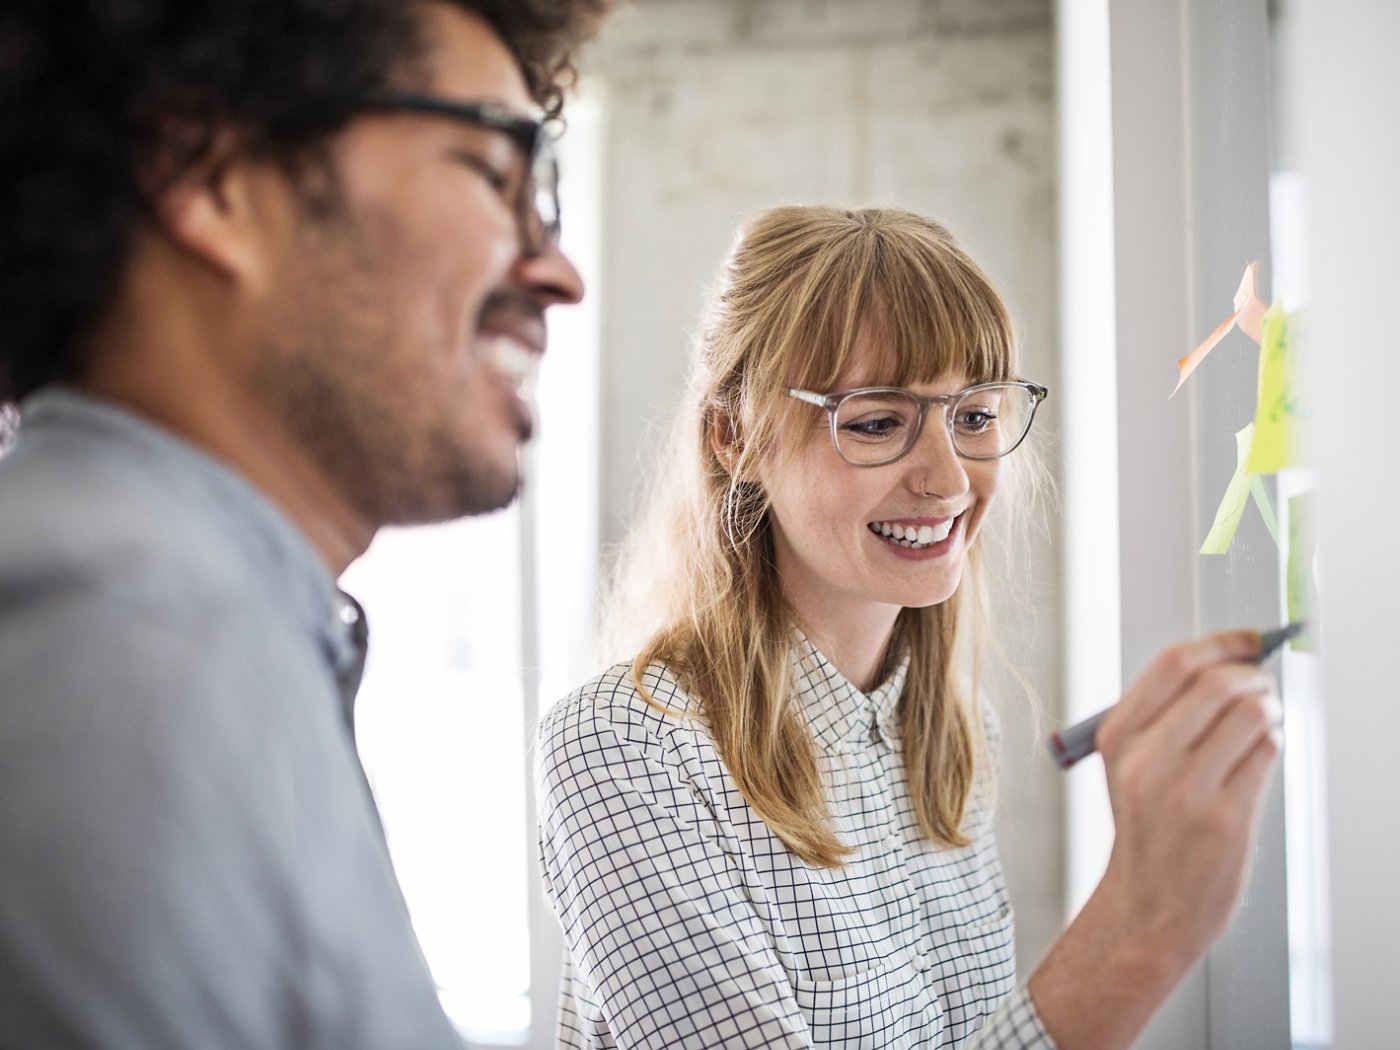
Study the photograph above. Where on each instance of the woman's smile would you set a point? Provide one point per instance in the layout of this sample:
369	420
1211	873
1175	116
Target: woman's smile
916	538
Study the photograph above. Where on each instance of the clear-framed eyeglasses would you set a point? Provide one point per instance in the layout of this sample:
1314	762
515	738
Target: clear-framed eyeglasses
873	426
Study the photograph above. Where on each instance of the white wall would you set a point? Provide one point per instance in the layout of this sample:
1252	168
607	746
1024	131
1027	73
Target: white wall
717	108
1351	152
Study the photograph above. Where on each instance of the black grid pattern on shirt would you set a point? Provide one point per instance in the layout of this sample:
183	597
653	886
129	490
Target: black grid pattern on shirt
689	924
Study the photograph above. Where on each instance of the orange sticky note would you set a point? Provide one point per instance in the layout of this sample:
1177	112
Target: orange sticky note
1249	310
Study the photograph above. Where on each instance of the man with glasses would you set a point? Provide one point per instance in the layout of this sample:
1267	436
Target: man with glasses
270	278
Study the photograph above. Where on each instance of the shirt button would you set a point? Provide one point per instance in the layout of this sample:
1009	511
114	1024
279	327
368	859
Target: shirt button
921	961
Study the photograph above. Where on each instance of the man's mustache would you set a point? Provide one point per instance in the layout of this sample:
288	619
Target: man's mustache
510	302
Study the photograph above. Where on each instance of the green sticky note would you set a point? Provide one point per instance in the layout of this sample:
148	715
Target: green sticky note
1302	551
1227	517
1266	508
1277	415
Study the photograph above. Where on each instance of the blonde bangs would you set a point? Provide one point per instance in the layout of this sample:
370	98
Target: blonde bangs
836	275
933	314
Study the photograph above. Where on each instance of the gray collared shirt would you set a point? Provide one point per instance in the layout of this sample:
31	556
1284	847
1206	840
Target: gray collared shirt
189	855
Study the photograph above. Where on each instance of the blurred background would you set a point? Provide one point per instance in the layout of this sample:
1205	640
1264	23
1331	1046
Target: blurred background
1113	165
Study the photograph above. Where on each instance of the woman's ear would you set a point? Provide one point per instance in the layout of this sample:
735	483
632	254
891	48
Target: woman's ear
724	438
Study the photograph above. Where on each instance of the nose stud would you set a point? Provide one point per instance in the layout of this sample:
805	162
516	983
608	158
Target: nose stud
923	487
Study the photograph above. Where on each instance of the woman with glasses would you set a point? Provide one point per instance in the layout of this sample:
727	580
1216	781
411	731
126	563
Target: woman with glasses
773	826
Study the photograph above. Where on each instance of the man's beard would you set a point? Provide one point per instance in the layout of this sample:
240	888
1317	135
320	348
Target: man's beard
397	453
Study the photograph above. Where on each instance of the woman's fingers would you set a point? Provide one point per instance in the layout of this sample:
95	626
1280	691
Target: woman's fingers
1185	724
1168	676
1198	738
1243	722
1249	777
1187	754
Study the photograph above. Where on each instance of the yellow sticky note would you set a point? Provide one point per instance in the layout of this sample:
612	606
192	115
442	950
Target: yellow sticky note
1302	552
1277	415
1227	518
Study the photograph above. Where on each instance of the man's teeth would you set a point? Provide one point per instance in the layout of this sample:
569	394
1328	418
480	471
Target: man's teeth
912	536
509	358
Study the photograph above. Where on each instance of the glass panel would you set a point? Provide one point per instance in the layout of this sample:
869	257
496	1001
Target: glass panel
440	725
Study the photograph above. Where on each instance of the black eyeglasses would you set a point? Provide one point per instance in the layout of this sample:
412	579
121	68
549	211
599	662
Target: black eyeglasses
537	203
873	426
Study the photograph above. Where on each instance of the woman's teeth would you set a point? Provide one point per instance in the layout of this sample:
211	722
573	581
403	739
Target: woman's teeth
912	536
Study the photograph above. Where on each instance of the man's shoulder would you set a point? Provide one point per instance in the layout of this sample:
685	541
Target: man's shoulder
124	597
81	525
154	686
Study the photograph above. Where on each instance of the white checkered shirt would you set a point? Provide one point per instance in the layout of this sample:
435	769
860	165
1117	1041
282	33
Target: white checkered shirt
689	924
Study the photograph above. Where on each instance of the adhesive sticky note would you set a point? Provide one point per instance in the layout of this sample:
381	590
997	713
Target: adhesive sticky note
1249	308
1188	363
1266	507
1227	517
1300	581
1276	416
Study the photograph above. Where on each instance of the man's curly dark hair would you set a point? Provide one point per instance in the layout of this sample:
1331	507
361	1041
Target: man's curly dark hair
90	90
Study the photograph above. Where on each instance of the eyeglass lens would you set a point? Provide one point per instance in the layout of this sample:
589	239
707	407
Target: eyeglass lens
987	422
540	204
537	203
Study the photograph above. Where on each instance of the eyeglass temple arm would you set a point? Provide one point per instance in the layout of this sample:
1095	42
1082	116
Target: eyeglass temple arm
820	400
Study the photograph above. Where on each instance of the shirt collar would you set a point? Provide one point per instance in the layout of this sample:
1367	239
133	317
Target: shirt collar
838	714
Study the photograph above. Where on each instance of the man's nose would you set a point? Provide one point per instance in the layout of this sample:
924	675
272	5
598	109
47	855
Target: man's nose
549	277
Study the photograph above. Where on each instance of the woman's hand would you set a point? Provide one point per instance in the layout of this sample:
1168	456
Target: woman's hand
1188	752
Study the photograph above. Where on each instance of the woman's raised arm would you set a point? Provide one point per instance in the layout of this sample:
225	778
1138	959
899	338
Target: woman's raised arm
1187	753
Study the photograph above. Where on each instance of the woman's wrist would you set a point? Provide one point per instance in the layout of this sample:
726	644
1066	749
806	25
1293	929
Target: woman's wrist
1105	976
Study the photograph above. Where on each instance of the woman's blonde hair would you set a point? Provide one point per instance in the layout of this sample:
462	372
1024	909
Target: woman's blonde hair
799	286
